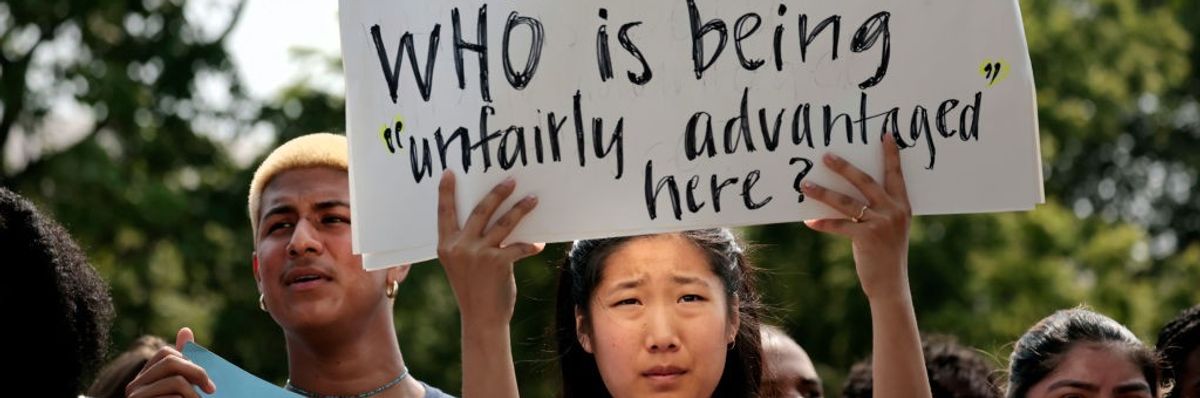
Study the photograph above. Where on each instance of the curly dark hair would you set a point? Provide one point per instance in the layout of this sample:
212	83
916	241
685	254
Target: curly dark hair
1178	339
57	303
581	272
955	371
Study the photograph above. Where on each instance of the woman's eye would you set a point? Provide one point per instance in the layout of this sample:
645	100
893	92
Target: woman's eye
628	301
688	298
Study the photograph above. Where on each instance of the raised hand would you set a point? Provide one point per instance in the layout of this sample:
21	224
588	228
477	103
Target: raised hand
878	229
480	269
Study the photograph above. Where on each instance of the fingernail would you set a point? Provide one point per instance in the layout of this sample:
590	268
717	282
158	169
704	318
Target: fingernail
530	200
809	185
509	181
831	158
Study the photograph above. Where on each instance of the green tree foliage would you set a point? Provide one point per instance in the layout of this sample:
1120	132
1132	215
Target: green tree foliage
152	191
1117	106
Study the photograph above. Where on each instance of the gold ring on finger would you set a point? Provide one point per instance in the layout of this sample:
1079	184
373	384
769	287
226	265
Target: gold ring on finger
861	212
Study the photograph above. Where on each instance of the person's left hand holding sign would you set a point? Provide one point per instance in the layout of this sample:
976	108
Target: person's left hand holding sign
480	269
169	374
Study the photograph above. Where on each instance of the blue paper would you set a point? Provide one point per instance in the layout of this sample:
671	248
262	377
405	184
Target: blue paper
231	380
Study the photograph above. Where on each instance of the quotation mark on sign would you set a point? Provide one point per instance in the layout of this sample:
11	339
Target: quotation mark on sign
391	135
994	71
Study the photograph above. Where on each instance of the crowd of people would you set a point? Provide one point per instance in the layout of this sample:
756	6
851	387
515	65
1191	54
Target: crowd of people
674	314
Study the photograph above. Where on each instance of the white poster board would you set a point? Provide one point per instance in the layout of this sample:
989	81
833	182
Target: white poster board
632	116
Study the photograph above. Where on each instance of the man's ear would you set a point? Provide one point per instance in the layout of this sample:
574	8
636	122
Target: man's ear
581	333
254	268
399	273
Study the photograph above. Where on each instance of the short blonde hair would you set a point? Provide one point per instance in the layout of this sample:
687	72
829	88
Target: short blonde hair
312	150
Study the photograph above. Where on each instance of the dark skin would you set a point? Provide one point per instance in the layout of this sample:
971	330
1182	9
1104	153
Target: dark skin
336	318
789	371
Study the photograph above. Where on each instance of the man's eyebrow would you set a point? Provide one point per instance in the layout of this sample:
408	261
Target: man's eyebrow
329	204
281	209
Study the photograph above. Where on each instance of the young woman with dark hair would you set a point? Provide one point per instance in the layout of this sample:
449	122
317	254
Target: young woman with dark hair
1080	353
603	292
672	314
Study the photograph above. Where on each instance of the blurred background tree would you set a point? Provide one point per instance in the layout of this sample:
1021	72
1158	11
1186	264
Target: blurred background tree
129	122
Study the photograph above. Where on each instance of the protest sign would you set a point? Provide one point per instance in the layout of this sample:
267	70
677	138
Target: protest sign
628	117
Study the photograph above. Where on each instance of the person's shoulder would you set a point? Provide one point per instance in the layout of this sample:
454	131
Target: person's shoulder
433	392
